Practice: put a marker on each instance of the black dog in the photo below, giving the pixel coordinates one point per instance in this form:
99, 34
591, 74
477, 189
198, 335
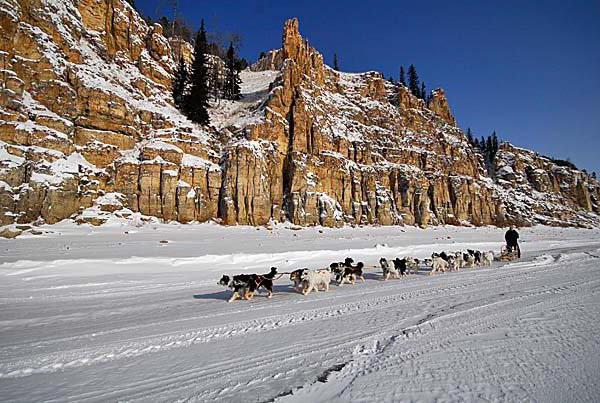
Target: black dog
245, 285
400, 266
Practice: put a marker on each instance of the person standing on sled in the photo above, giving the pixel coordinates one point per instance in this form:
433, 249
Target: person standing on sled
512, 240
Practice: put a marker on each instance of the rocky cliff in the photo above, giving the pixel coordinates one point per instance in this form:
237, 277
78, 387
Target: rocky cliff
87, 129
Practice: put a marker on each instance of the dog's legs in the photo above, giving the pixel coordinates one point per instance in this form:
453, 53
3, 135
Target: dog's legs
363, 279
249, 295
308, 290
235, 296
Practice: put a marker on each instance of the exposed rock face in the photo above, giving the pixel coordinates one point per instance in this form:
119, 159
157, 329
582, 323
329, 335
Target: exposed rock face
540, 191
439, 105
84, 100
86, 123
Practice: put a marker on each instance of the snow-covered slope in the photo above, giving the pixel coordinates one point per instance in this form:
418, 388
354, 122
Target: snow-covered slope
113, 313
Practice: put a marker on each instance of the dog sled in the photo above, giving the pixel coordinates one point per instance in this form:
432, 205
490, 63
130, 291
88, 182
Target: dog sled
507, 255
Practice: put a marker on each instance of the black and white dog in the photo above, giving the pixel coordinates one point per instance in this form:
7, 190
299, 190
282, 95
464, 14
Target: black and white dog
245, 285
469, 260
388, 272
345, 272
339, 268
401, 266
476, 254
443, 255
351, 273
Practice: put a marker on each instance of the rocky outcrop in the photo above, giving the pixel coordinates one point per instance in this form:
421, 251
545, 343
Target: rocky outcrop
439, 105
87, 129
538, 190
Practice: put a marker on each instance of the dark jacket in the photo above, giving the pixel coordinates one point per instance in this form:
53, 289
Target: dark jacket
511, 237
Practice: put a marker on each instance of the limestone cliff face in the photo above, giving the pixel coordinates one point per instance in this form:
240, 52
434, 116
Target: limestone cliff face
85, 110
87, 128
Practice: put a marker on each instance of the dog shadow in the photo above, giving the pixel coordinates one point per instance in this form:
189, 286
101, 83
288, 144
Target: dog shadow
373, 276
219, 296
284, 288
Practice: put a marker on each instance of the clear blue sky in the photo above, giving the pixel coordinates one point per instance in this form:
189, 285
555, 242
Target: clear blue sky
528, 69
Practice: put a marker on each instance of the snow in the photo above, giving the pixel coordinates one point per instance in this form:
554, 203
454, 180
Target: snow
111, 313
193, 161
250, 108
156, 144
110, 199
64, 168
8, 160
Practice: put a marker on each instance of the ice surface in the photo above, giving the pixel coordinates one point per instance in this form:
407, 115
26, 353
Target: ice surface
131, 311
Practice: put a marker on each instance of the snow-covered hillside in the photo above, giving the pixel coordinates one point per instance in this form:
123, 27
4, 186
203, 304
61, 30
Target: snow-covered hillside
133, 312
86, 110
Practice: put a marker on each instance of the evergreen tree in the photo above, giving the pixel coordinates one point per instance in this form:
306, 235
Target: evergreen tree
475, 143
231, 88
335, 62
413, 81
215, 82
495, 144
594, 174
180, 80
469, 136
196, 101
402, 76
482, 144
423, 92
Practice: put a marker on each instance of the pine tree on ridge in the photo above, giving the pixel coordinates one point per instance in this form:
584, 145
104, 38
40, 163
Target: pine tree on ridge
402, 76
180, 81
413, 81
232, 76
470, 136
196, 101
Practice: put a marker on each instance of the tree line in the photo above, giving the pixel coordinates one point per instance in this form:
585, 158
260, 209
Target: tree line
193, 88
413, 82
487, 147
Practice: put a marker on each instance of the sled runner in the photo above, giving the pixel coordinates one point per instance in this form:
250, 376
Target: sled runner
506, 255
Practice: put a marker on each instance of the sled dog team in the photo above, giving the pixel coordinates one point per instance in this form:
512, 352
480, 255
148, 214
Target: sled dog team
244, 286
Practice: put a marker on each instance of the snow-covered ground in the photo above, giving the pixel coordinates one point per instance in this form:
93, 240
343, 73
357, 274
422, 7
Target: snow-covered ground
113, 313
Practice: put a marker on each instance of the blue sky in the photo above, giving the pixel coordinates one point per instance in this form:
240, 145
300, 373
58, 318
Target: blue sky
528, 69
